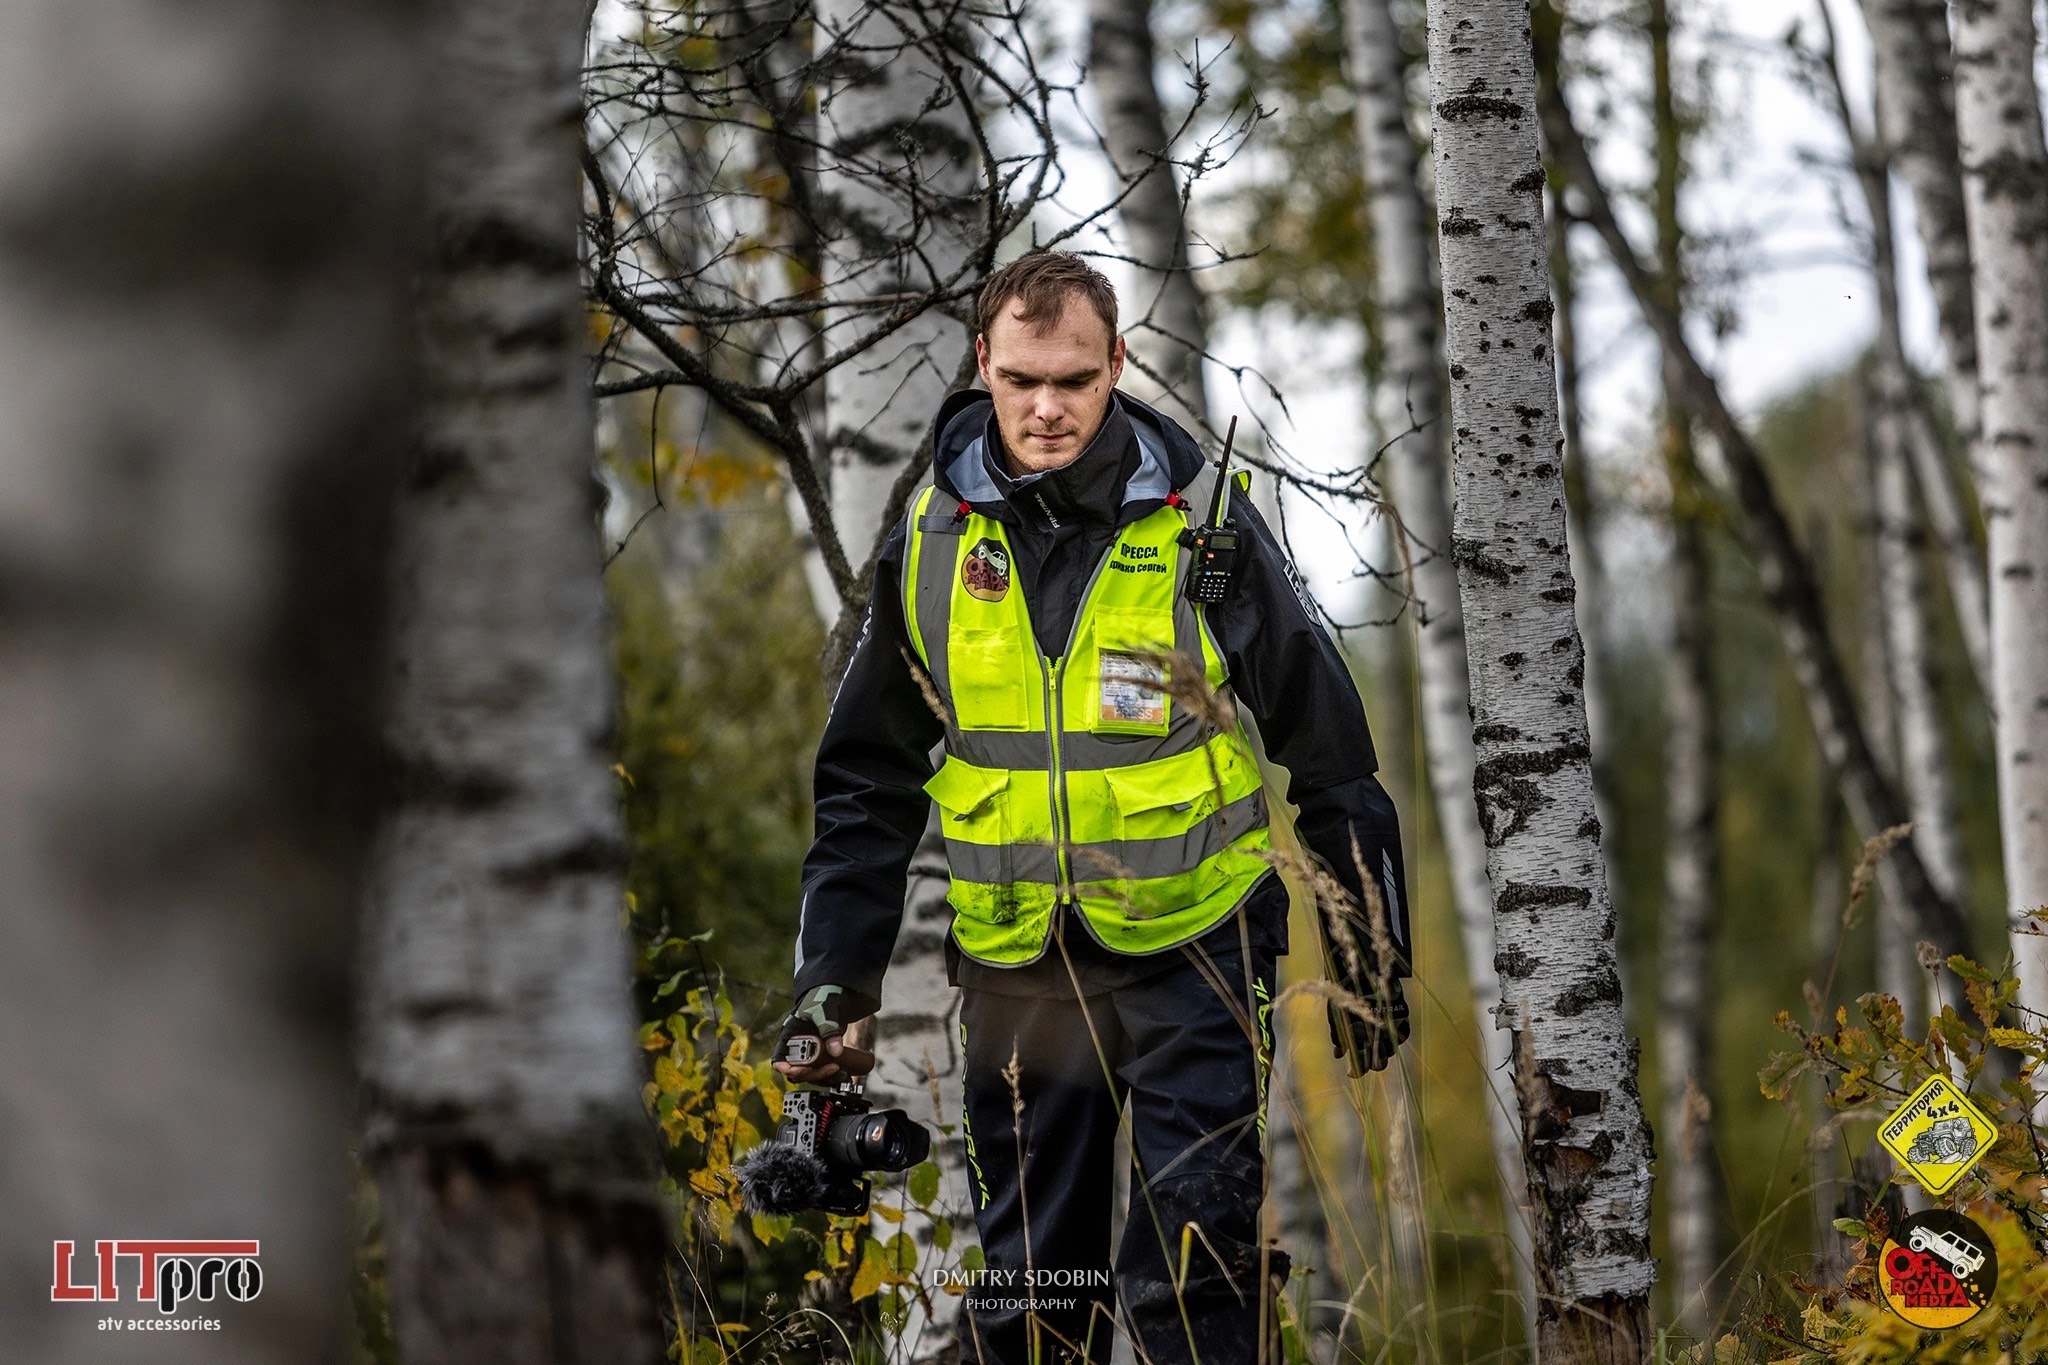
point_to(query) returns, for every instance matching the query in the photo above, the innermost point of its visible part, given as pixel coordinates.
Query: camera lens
(886, 1140)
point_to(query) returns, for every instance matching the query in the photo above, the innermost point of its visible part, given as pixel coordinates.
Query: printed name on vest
(1127, 550)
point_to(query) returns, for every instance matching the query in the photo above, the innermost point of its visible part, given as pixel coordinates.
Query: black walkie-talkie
(1212, 546)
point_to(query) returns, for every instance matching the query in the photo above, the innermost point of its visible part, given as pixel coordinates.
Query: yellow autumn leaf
(873, 1267)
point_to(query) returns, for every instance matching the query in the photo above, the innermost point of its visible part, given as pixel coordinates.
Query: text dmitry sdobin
(990, 1277)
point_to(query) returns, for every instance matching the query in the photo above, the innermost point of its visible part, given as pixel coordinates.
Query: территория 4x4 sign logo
(172, 1272)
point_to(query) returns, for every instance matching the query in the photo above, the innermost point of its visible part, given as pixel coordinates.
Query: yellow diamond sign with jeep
(1937, 1134)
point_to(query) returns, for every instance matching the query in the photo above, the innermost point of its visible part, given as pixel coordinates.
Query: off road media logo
(1938, 1269)
(169, 1273)
(986, 570)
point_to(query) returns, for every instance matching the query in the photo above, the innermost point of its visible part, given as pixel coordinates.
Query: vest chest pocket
(1128, 695)
(988, 685)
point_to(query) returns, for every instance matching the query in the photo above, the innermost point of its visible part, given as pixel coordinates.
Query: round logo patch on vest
(986, 570)
(1938, 1269)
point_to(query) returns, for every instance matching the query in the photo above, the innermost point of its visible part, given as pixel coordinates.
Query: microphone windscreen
(778, 1178)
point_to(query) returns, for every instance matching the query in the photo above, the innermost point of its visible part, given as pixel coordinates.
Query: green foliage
(720, 709)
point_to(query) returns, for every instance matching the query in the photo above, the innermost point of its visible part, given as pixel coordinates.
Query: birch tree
(1585, 1138)
(1901, 675)
(202, 290)
(1168, 321)
(1916, 134)
(2005, 181)
(1692, 788)
(515, 1161)
(890, 102)
(1410, 396)
(898, 199)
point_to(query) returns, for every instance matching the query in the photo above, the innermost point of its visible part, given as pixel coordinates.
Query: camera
(828, 1144)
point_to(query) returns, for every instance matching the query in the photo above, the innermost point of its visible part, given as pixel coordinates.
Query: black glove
(1369, 1044)
(817, 1015)
(821, 1014)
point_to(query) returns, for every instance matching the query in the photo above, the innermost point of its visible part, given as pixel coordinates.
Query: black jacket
(881, 740)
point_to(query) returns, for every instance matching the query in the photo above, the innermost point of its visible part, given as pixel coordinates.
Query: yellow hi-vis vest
(1077, 779)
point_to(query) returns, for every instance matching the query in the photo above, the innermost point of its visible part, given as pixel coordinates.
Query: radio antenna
(1223, 476)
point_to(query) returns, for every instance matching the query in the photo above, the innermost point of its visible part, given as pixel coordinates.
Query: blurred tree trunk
(1410, 397)
(515, 1161)
(1168, 324)
(1998, 123)
(1903, 442)
(1898, 426)
(879, 409)
(1908, 695)
(1299, 1173)
(1586, 1141)
(1824, 939)
(1693, 1198)
(1916, 130)
(1786, 576)
(205, 408)
(1917, 125)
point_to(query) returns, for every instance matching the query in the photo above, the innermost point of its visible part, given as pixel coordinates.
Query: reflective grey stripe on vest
(1142, 859)
(938, 547)
(1080, 750)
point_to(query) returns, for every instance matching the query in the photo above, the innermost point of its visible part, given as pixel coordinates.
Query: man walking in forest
(1117, 915)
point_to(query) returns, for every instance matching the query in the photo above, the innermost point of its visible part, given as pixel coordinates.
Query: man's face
(1052, 386)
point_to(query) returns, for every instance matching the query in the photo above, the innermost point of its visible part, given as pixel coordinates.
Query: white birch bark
(1166, 322)
(1917, 123)
(1692, 865)
(878, 410)
(202, 417)
(879, 139)
(1893, 968)
(1692, 891)
(1922, 749)
(1410, 398)
(1585, 1138)
(2005, 179)
(506, 1130)
(1915, 136)
(1898, 429)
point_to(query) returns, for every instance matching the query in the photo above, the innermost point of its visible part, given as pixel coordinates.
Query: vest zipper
(1051, 673)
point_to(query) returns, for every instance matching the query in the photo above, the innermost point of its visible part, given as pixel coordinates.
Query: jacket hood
(1168, 457)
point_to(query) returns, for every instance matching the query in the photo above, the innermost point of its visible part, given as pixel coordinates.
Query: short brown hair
(1043, 281)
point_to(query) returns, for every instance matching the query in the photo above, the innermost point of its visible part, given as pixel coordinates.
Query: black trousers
(1189, 1049)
